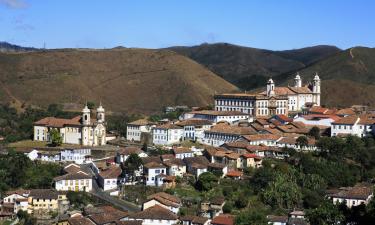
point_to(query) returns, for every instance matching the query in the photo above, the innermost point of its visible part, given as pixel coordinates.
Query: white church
(275, 100)
(81, 130)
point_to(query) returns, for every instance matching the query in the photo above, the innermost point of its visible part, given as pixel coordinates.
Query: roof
(301, 90)
(321, 117)
(283, 118)
(194, 219)
(18, 191)
(234, 173)
(174, 161)
(43, 194)
(356, 192)
(155, 212)
(129, 222)
(219, 113)
(108, 215)
(346, 111)
(217, 200)
(318, 110)
(194, 122)
(168, 126)
(280, 219)
(223, 220)
(152, 165)
(130, 150)
(229, 129)
(165, 199)
(59, 122)
(293, 140)
(257, 137)
(199, 162)
(217, 165)
(73, 176)
(72, 168)
(112, 172)
(251, 156)
(79, 220)
(141, 122)
(181, 150)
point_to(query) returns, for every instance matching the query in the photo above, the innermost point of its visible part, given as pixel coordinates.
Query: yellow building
(44, 201)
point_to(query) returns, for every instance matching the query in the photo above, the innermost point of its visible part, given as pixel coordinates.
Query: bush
(228, 207)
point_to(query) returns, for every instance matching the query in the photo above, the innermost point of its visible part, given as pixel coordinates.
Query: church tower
(297, 81)
(85, 134)
(316, 89)
(100, 114)
(270, 88)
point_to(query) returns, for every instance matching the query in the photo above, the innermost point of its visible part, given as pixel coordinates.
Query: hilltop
(249, 68)
(7, 47)
(126, 80)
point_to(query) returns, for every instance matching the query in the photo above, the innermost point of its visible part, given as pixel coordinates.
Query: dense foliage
(18, 171)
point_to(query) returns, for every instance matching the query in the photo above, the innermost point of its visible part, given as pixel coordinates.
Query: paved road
(98, 192)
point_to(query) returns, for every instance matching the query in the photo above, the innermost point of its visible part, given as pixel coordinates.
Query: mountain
(127, 80)
(6, 47)
(348, 77)
(249, 68)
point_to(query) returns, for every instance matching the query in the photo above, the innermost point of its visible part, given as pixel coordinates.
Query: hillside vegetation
(126, 80)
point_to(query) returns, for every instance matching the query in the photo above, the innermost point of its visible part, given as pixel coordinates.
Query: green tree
(302, 141)
(315, 132)
(283, 192)
(55, 137)
(206, 181)
(326, 214)
(228, 207)
(25, 218)
(131, 165)
(251, 217)
(91, 105)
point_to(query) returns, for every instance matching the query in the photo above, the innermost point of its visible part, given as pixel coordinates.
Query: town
(276, 156)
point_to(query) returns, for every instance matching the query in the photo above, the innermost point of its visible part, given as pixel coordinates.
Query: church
(80, 130)
(275, 100)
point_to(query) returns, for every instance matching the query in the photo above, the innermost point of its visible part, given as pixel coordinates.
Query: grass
(6, 222)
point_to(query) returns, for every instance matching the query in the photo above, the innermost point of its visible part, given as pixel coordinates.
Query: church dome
(316, 77)
(86, 109)
(100, 108)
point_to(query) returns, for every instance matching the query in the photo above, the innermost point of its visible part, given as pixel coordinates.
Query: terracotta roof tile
(228, 129)
(166, 199)
(59, 122)
(112, 172)
(155, 213)
(223, 220)
(257, 137)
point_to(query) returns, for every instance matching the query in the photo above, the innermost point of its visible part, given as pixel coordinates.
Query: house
(165, 200)
(77, 156)
(194, 128)
(108, 178)
(152, 171)
(81, 130)
(277, 220)
(194, 220)
(102, 215)
(261, 139)
(291, 142)
(226, 157)
(155, 215)
(139, 130)
(44, 201)
(167, 134)
(230, 116)
(77, 181)
(251, 160)
(79, 220)
(297, 217)
(361, 126)
(196, 165)
(175, 167)
(49, 156)
(223, 132)
(223, 219)
(352, 196)
(12, 196)
(123, 154)
(317, 119)
(218, 168)
(182, 152)
(72, 168)
(234, 174)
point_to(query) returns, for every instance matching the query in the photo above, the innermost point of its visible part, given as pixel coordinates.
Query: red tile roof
(234, 173)
(112, 172)
(223, 220)
(59, 122)
(155, 213)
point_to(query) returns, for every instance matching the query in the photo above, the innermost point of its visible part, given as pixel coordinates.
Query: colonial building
(275, 100)
(82, 130)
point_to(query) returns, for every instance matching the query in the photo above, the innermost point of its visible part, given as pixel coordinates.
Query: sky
(268, 24)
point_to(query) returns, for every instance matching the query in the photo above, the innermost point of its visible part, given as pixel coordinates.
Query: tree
(315, 132)
(302, 141)
(228, 207)
(26, 218)
(326, 214)
(206, 181)
(283, 192)
(241, 202)
(251, 217)
(55, 137)
(131, 165)
(79, 199)
(91, 105)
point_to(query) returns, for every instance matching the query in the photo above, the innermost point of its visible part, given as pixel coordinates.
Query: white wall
(70, 185)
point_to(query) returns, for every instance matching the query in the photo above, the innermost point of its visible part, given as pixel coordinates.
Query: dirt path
(351, 53)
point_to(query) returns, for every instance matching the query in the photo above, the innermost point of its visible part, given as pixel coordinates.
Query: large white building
(136, 129)
(81, 130)
(167, 134)
(361, 126)
(275, 100)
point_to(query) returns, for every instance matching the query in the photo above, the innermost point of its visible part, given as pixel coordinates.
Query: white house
(230, 116)
(261, 139)
(194, 128)
(155, 215)
(196, 165)
(167, 134)
(291, 142)
(123, 153)
(108, 178)
(152, 171)
(182, 152)
(77, 156)
(361, 126)
(352, 196)
(175, 167)
(78, 130)
(194, 220)
(77, 181)
(317, 119)
(135, 129)
(163, 199)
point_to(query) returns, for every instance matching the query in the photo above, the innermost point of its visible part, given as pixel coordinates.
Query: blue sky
(270, 24)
